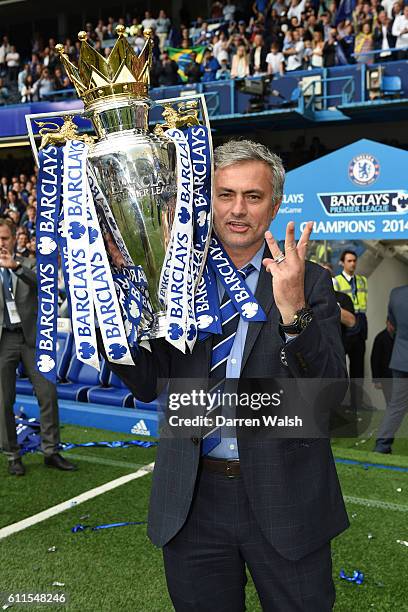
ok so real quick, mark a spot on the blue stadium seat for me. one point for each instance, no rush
(115, 394)
(142, 406)
(80, 377)
(64, 351)
(391, 86)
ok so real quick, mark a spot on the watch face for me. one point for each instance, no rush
(305, 318)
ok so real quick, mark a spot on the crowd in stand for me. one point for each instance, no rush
(270, 38)
(18, 203)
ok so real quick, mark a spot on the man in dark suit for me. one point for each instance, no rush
(380, 359)
(257, 56)
(18, 321)
(398, 406)
(271, 505)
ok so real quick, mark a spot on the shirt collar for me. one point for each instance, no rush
(347, 276)
(256, 261)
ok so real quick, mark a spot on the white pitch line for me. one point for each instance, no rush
(375, 503)
(73, 502)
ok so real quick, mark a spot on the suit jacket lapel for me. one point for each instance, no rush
(264, 296)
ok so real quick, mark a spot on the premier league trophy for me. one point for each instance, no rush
(129, 209)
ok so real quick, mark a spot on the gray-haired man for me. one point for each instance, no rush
(269, 505)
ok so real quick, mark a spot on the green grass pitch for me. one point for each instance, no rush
(120, 570)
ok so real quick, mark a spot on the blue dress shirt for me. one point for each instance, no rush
(228, 447)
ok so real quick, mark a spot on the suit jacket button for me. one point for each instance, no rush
(195, 440)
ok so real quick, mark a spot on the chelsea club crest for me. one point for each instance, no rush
(364, 169)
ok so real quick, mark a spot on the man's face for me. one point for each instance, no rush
(243, 206)
(7, 240)
(349, 263)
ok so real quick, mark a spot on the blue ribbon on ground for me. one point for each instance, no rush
(357, 576)
(365, 465)
(80, 527)
(29, 438)
(116, 444)
(28, 434)
(48, 207)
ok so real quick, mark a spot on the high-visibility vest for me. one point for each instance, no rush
(360, 298)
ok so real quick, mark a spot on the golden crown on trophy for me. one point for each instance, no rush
(123, 75)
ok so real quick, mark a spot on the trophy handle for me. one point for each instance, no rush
(55, 134)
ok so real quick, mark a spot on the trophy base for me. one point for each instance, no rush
(157, 328)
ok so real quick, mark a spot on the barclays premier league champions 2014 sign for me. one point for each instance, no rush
(358, 192)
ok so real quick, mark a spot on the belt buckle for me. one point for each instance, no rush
(230, 462)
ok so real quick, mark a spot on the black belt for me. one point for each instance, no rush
(228, 467)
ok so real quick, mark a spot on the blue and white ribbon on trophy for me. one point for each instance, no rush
(176, 280)
(48, 205)
(201, 311)
(73, 225)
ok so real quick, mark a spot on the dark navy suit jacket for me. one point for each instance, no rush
(292, 484)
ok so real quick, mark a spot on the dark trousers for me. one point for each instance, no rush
(355, 349)
(13, 349)
(395, 411)
(205, 562)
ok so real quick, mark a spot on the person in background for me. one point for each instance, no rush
(4, 188)
(31, 247)
(223, 73)
(398, 405)
(275, 61)
(364, 42)
(18, 317)
(380, 360)
(240, 63)
(4, 92)
(205, 35)
(209, 67)
(329, 49)
(317, 50)
(22, 239)
(21, 77)
(293, 52)
(193, 69)
(347, 42)
(163, 25)
(347, 316)
(45, 85)
(355, 286)
(4, 49)
(257, 58)
(400, 31)
(228, 11)
(148, 21)
(168, 71)
(13, 63)
(383, 38)
(28, 90)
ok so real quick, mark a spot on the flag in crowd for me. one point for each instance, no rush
(183, 58)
